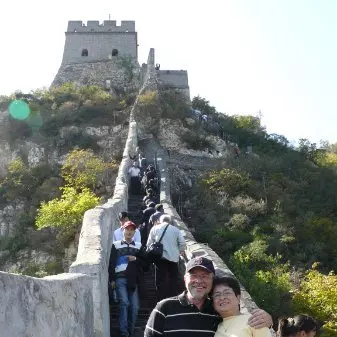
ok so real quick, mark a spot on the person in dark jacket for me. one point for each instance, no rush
(154, 218)
(127, 262)
(144, 230)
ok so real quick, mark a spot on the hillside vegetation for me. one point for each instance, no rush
(54, 194)
(272, 216)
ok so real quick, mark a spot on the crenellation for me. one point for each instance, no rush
(93, 24)
(106, 26)
(110, 23)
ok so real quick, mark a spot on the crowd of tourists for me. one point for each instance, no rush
(209, 306)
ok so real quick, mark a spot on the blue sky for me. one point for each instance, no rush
(274, 56)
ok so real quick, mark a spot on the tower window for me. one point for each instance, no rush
(114, 52)
(84, 52)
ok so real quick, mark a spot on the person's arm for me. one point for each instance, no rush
(112, 263)
(143, 259)
(260, 319)
(156, 322)
(181, 242)
(114, 237)
(137, 237)
(150, 238)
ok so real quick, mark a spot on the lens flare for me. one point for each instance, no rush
(19, 109)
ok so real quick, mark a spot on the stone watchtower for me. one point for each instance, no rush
(96, 42)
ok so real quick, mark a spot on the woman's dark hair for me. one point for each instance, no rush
(228, 281)
(288, 327)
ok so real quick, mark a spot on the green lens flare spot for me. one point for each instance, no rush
(19, 109)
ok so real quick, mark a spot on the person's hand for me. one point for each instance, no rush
(260, 319)
(131, 258)
(112, 284)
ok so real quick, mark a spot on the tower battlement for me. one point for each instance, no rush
(94, 41)
(96, 27)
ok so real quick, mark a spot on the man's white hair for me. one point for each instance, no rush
(166, 218)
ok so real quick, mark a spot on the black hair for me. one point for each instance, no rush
(288, 327)
(122, 215)
(149, 192)
(229, 281)
(159, 207)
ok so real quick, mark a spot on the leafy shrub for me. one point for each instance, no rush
(83, 169)
(195, 141)
(227, 181)
(148, 98)
(128, 64)
(22, 181)
(66, 212)
(174, 105)
(148, 105)
(37, 270)
(239, 222)
(318, 297)
(199, 103)
(247, 205)
(250, 123)
(226, 241)
(264, 276)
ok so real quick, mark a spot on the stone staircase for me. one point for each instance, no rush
(135, 207)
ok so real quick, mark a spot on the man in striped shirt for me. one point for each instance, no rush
(191, 313)
(127, 261)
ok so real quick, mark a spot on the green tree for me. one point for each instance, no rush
(66, 212)
(227, 181)
(83, 168)
(317, 296)
(202, 104)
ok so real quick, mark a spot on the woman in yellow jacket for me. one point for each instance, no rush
(226, 296)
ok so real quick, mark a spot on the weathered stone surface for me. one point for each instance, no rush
(26, 257)
(98, 73)
(8, 216)
(7, 155)
(36, 153)
(55, 306)
(96, 238)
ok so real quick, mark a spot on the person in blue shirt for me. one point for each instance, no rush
(118, 233)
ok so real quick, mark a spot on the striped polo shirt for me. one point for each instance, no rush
(177, 317)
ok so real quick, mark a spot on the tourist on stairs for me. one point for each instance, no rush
(118, 233)
(174, 245)
(127, 261)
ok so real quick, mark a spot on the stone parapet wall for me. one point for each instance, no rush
(194, 248)
(200, 160)
(55, 306)
(96, 239)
